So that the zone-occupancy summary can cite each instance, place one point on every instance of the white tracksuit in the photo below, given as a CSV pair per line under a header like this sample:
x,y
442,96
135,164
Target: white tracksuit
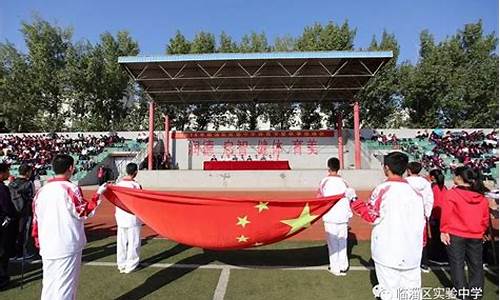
x,y
336,223
396,211
128,238
59,212
424,187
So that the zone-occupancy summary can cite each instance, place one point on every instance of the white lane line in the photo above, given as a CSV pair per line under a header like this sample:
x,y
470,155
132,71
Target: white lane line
x,y
252,267
249,267
220,291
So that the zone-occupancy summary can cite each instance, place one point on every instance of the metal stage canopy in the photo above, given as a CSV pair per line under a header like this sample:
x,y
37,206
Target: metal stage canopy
x,y
255,77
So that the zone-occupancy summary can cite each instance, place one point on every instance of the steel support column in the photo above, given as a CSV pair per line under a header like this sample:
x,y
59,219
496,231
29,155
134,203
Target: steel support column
x,y
166,137
340,140
151,134
357,139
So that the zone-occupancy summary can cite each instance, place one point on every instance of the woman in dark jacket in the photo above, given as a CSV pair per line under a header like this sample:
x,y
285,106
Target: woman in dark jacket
x,y
464,221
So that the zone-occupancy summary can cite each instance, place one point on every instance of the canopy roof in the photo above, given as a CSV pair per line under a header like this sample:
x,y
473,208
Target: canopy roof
x,y
255,77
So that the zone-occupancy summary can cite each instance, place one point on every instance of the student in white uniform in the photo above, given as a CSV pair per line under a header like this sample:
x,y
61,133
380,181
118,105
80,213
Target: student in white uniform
x,y
128,239
59,212
336,219
396,212
424,187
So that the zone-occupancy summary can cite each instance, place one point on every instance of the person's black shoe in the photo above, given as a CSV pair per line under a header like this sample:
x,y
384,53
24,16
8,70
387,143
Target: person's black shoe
x,y
425,268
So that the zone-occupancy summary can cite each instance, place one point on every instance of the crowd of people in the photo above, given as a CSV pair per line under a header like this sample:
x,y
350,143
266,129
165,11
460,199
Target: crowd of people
x,y
383,139
402,210
459,217
476,150
415,221
39,150
241,158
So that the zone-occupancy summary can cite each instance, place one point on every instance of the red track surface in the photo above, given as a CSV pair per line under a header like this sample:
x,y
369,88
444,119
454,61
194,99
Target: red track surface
x,y
103,223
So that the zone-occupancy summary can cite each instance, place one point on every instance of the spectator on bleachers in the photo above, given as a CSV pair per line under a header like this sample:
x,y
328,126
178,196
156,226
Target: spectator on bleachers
x,y
39,150
476,150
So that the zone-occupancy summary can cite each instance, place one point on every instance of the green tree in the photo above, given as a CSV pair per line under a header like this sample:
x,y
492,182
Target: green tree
x,y
285,44
47,45
203,42
17,93
255,42
226,44
101,93
381,99
455,82
178,44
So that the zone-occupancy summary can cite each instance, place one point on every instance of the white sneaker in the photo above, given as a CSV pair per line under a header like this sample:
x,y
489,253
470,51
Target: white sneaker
x,y
121,269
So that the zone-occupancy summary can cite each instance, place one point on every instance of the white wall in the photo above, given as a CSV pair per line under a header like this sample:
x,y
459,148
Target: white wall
x,y
252,180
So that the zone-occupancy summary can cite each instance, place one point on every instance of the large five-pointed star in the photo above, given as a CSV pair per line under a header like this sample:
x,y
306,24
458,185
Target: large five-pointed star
x,y
303,221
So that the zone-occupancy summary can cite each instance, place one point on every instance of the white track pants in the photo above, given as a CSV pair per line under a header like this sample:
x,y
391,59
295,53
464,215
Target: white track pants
x,y
397,283
128,246
336,238
60,277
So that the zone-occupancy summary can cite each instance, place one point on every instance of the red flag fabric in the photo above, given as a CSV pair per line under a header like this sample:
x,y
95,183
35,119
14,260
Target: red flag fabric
x,y
220,223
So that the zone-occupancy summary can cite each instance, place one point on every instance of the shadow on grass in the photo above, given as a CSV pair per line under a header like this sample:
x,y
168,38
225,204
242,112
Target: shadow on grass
x,y
353,241
167,275
443,277
96,232
298,257
32,272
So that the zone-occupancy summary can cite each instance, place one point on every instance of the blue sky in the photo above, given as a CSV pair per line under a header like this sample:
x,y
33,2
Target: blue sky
x,y
153,22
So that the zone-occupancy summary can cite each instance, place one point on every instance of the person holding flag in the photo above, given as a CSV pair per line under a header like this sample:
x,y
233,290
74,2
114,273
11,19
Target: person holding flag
x,y
128,239
336,219
59,212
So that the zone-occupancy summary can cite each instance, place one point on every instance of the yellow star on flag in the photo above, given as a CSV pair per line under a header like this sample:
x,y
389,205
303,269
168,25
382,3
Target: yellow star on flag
x,y
262,206
303,221
242,221
242,239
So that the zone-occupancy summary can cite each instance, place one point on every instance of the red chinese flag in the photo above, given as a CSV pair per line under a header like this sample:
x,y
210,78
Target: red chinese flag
x,y
220,223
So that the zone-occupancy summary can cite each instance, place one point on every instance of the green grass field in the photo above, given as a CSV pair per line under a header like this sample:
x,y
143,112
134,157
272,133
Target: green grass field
x,y
287,270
